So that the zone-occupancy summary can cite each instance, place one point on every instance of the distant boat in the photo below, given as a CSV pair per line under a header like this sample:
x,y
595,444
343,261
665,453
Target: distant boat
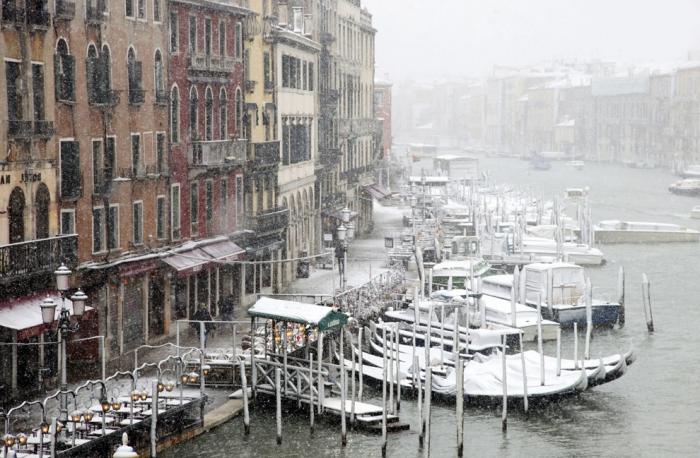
x,y
578,165
695,212
539,163
614,231
686,187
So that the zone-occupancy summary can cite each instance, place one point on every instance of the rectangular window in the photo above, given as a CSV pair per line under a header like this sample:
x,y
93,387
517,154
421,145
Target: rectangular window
x,y
98,225
71,176
108,163
135,154
209,204
142,8
285,71
175,211
311,76
38,91
156,10
67,222
223,204
160,217
173,32
97,170
207,37
160,153
222,38
113,227
137,223
129,8
194,208
304,78
239,40
193,35
266,70
13,82
239,201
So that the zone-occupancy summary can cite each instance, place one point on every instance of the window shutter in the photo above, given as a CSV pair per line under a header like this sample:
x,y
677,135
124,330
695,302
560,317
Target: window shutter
x,y
138,75
69,78
57,76
102,78
91,69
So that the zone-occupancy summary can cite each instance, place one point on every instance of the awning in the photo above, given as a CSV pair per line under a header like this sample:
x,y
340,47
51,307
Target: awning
x,y
324,318
224,251
377,191
189,261
24,313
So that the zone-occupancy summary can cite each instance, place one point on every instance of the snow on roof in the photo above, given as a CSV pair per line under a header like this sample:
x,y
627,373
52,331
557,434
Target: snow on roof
x,y
298,312
416,179
567,123
25,312
620,85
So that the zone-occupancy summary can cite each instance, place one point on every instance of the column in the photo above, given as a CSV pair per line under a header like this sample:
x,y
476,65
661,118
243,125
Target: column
x,y
145,296
168,302
14,363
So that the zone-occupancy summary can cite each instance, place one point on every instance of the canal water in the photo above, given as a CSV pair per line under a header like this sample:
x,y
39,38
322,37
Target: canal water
x,y
654,410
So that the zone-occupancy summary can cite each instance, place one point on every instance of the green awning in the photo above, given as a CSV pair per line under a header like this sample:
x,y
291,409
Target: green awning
x,y
323,317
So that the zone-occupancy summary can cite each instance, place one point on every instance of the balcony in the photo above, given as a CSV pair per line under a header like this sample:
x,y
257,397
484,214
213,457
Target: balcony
x,y
26,259
38,19
136,96
43,129
12,15
267,155
269,221
161,98
211,64
108,98
350,128
250,86
216,153
335,200
65,10
19,129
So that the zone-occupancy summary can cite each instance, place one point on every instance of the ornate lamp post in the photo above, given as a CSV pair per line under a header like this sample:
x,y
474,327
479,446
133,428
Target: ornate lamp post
x,y
64,327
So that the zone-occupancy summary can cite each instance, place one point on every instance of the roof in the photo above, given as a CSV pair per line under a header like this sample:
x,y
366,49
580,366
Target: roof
x,y
323,317
541,266
25,312
418,179
193,257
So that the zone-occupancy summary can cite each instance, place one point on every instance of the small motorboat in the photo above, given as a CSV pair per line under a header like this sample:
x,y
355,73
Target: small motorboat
x,y
686,187
614,231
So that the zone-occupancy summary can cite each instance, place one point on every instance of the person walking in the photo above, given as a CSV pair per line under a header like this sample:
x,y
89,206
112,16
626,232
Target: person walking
x,y
203,315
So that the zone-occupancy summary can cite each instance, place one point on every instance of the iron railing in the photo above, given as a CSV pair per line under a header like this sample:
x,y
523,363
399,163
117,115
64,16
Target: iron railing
x,y
43,129
19,129
35,257
267,221
216,153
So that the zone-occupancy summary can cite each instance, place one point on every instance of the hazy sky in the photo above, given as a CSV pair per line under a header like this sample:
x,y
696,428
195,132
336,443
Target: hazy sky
x,y
428,38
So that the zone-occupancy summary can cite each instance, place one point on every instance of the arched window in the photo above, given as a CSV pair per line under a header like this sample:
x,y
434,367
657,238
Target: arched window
x,y
64,72
91,65
41,211
208,114
16,212
106,71
134,71
223,115
174,115
158,75
194,100
239,113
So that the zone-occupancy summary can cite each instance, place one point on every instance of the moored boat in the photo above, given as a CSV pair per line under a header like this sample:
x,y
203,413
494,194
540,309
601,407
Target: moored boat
x,y
686,187
614,231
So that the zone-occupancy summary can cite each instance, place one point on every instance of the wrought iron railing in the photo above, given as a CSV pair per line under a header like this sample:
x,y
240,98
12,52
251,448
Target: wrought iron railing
x,y
19,129
267,221
216,153
43,129
35,257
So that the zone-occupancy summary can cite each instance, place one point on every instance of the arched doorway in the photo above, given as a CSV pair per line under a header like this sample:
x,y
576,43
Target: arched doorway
x,y
43,199
16,215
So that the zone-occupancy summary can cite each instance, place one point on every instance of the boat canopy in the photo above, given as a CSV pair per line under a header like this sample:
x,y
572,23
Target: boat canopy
x,y
323,317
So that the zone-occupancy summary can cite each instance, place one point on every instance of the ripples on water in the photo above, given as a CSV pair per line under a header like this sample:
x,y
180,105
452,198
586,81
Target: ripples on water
x,y
653,410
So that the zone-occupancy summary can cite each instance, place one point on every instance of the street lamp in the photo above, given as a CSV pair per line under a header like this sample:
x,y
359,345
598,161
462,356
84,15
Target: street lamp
x,y
345,212
48,315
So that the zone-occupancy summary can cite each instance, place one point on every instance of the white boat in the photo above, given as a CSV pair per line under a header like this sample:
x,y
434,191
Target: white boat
x,y
578,165
577,253
561,288
695,212
500,312
692,171
454,274
615,231
686,187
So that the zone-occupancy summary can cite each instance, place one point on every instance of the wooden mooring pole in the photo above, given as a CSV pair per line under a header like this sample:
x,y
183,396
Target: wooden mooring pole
x,y
278,402
459,404
646,302
244,390
504,383
384,379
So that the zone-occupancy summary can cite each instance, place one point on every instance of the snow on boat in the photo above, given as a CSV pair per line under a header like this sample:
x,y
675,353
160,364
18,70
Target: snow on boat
x,y
615,231
578,253
561,287
686,187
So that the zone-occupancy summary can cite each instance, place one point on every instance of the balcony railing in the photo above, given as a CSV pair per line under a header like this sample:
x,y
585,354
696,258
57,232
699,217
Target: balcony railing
x,y
267,154
269,221
218,64
359,127
136,96
11,14
161,97
36,257
19,129
216,153
65,10
108,98
38,19
43,129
